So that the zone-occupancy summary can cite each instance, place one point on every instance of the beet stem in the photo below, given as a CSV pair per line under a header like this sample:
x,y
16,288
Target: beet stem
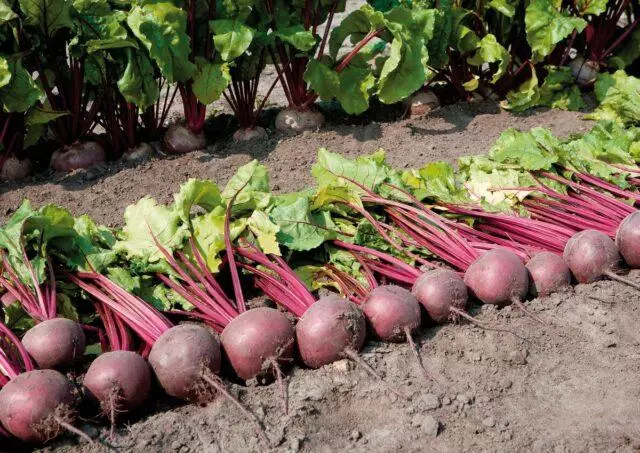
x,y
463,314
618,278
214,381
353,355
72,429
416,352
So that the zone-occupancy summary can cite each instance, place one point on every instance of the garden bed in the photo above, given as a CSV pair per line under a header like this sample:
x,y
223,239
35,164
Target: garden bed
x,y
571,387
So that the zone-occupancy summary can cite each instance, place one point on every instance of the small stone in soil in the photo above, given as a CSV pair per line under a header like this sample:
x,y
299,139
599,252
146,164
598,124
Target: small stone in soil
x,y
446,401
430,401
489,422
355,435
430,426
343,365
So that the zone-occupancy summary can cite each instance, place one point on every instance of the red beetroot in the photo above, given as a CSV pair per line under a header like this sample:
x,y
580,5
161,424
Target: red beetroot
x,y
498,277
119,380
14,169
37,405
179,139
256,340
78,155
442,293
628,239
592,255
179,357
331,329
55,343
547,274
393,312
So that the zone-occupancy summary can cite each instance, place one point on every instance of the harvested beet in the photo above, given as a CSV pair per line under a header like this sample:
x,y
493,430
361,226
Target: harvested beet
x,y
331,329
592,255
179,139
181,355
256,340
547,274
78,155
15,169
55,343
120,381
498,277
393,312
248,134
628,239
442,293
293,121
37,405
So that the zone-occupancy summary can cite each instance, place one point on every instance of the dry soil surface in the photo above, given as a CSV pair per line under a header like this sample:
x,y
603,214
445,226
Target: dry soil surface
x,y
572,385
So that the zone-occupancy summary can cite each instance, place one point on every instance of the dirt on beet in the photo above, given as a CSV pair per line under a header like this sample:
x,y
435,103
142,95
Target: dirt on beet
x,y
570,386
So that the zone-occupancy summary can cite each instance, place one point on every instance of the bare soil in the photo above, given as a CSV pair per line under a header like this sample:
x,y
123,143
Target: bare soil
x,y
572,385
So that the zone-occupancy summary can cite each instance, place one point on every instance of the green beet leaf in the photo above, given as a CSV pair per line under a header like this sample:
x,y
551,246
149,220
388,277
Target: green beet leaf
x,y
546,26
161,27
231,38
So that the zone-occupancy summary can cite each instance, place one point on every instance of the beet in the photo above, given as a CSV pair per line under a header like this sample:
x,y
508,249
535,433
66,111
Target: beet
x,y
140,152
584,71
547,274
248,134
293,121
393,312
442,293
628,239
256,340
591,255
120,381
498,277
55,343
15,169
179,139
328,329
422,103
37,405
78,155
180,357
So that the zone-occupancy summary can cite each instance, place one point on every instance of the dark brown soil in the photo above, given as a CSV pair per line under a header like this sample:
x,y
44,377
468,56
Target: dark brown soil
x,y
572,386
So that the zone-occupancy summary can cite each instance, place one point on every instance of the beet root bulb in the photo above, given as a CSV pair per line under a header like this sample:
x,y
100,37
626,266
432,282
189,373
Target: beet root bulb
x,y
249,134
181,355
393,312
35,405
328,329
628,239
78,155
55,343
498,277
15,169
257,341
441,292
119,380
591,255
179,139
548,273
